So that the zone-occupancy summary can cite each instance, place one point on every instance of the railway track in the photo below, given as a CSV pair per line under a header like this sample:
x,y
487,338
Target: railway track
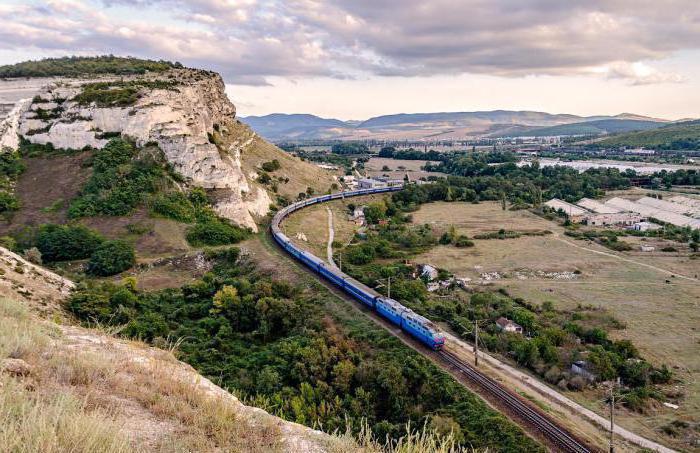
x,y
556,435
547,428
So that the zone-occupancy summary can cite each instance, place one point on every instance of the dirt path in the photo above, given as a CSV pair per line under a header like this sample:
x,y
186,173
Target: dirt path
x,y
331,235
621,258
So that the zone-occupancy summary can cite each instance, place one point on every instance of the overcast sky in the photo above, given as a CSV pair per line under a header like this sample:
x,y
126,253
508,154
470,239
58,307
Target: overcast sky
x,y
352,59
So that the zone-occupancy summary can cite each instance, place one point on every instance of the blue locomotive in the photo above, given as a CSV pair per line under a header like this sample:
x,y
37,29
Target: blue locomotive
x,y
410,322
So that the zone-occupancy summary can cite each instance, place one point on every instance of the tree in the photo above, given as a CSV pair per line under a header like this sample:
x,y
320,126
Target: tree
x,y
112,257
67,242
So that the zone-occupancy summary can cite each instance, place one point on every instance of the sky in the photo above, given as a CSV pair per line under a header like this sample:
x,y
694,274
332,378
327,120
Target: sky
x,y
354,59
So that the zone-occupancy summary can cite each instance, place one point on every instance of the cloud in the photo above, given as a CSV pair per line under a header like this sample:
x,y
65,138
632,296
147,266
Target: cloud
x,y
640,74
251,40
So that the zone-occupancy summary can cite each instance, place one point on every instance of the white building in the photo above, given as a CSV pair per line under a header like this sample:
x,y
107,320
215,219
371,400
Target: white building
x,y
506,325
621,218
645,226
369,183
597,206
575,213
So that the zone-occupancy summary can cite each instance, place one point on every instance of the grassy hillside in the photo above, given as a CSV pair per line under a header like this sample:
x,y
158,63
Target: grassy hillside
x,y
684,135
78,66
599,127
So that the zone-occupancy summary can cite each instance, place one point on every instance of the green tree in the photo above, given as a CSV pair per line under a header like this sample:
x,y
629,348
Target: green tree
x,y
111,257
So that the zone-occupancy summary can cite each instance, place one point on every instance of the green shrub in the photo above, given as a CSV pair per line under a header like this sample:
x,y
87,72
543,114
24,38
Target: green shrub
x,y
66,242
463,241
215,231
8,202
11,164
119,181
174,205
117,94
271,166
112,257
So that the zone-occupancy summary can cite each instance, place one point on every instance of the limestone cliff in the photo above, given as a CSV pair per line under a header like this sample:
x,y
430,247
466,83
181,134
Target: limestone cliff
x,y
185,111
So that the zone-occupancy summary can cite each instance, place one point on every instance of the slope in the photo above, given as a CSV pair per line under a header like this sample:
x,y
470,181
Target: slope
x,y
597,127
685,135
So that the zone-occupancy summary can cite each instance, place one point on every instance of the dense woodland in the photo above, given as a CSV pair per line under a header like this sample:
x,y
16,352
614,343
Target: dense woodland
x,y
298,353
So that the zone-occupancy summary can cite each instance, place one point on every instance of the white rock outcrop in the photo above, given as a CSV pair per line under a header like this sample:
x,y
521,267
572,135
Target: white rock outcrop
x,y
181,119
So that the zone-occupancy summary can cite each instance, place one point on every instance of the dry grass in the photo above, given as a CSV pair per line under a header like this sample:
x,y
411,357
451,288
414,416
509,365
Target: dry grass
x,y
301,174
662,318
313,222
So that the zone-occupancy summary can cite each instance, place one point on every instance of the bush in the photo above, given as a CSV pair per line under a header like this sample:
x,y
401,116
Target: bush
x,y
119,181
67,242
463,241
215,231
8,202
33,255
174,206
110,258
271,166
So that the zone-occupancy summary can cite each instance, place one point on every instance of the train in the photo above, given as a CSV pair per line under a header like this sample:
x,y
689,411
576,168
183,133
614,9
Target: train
x,y
410,322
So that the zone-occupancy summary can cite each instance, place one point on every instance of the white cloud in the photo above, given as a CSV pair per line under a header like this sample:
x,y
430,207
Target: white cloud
x,y
639,73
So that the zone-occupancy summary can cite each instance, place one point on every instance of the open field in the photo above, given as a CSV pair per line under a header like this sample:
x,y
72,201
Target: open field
x,y
313,223
662,318
398,168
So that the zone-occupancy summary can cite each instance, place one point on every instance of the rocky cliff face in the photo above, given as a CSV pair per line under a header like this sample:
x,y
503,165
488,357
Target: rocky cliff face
x,y
182,110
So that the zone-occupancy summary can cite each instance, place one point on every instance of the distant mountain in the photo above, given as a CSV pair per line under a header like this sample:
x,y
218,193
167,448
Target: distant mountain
x,y
443,125
597,127
281,126
681,135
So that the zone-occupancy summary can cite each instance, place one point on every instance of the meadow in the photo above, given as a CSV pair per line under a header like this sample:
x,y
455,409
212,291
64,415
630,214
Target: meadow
x,y
646,293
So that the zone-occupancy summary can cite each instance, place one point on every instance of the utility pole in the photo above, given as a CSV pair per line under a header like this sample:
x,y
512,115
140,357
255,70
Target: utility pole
x,y
388,286
476,343
612,418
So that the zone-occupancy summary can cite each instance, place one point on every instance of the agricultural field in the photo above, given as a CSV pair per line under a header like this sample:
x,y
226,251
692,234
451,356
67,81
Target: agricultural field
x,y
398,168
656,296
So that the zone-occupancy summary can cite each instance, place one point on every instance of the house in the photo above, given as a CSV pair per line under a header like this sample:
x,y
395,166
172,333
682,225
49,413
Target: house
x,y
389,181
506,325
358,216
369,183
429,271
583,368
645,226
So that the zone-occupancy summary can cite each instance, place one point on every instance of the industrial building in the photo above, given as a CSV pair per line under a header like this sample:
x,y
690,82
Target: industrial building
x,y
648,211
597,206
575,213
678,210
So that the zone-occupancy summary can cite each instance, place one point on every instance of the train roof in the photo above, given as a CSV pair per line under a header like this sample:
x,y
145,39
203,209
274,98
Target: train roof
x,y
421,320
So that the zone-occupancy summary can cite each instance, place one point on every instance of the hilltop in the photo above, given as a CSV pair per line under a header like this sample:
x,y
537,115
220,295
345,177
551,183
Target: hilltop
x,y
443,125
85,66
